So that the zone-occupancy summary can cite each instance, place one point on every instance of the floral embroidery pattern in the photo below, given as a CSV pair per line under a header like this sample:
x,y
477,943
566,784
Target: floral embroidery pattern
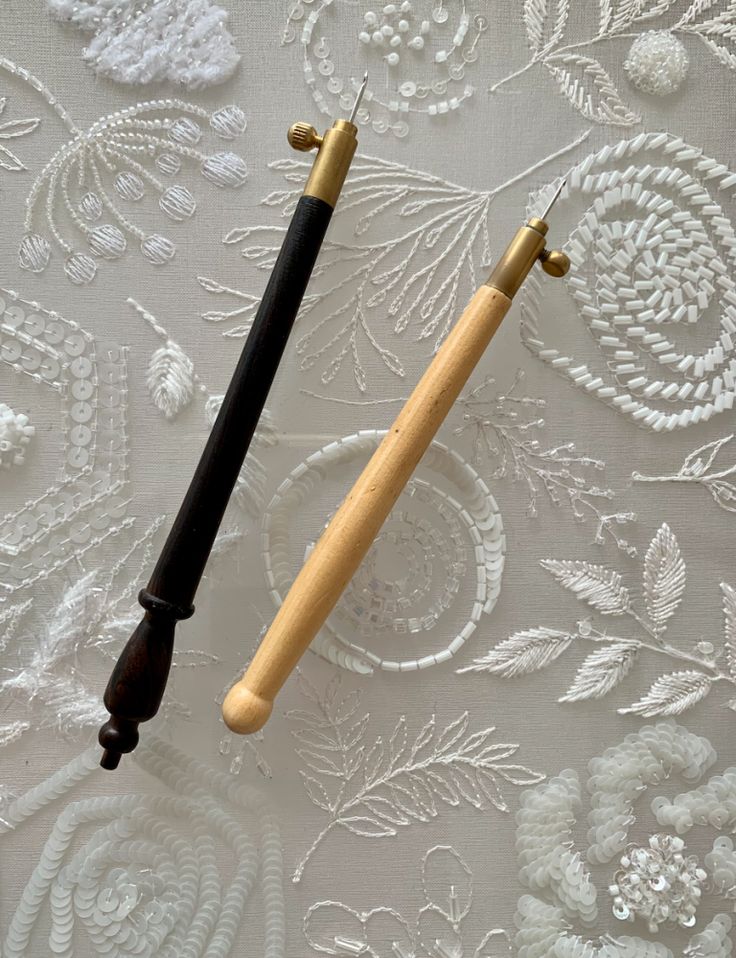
x,y
12,130
502,432
603,589
332,928
443,544
114,160
96,614
583,81
373,788
140,873
560,885
171,381
653,254
146,41
87,503
426,49
419,276
695,469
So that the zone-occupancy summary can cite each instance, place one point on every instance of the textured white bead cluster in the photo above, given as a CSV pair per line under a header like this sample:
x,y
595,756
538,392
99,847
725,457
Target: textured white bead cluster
x,y
391,30
543,840
15,434
658,883
712,803
657,63
618,777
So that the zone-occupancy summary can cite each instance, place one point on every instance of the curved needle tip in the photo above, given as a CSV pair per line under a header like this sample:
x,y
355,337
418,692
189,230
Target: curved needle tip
x,y
359,97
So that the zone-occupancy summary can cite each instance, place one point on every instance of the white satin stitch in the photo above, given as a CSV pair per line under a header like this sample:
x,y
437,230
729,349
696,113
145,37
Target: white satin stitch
x,y
146,41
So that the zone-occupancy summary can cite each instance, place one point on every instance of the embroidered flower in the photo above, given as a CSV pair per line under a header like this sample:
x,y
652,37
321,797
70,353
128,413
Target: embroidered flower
x,y
653,254
657,63
656,883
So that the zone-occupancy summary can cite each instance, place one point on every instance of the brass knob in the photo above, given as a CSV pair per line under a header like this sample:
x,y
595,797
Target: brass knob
x,y
303,137
554,262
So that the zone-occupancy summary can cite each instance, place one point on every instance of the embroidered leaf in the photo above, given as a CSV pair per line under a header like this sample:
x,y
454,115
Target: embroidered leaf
x,y
664,578
694,10
671,694
590,89
602,671
622,13
9,161
729,626
522,653
600,587
170,379
701,459
724,494
544,29
14,128
726,56
384,787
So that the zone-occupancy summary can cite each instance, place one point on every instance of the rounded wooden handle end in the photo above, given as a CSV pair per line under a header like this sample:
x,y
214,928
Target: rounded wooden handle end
x,y
245,712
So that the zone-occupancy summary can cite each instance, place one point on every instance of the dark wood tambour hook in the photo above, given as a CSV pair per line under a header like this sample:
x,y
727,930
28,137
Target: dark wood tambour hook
x,y
138,681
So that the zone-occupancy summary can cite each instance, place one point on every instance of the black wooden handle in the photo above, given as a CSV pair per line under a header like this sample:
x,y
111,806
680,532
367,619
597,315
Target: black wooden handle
x,y
137,683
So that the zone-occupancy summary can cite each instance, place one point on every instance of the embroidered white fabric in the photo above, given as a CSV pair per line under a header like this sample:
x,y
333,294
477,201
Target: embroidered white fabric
x,y
522,711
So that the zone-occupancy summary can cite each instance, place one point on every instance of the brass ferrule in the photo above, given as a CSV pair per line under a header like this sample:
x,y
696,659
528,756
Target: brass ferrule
x,y
521,254
331,165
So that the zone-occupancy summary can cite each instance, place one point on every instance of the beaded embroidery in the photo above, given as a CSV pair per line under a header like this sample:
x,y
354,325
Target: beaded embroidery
x,y
699,468
653,253
15,435
442,547
12,130
145,880
657,61
560,880
371,789
117,155
663,587
426,49
418,277
87,503
333,928
146,41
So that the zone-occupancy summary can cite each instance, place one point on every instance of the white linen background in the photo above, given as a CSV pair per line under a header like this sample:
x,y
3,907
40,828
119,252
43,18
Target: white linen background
x,y
489,139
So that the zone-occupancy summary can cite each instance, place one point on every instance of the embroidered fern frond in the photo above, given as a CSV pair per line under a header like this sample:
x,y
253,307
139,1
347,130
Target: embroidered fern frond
x,y
590,89
170,379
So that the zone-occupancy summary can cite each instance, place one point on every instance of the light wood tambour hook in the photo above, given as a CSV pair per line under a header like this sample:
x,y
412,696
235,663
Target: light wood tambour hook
x,y
138,681
349,535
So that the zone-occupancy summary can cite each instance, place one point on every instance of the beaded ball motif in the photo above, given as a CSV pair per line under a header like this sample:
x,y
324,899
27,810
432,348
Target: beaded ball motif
x,y
658,883
15,434
657,63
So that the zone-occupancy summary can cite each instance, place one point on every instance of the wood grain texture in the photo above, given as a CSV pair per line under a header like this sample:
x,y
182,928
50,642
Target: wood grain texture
x,y
357,522
139,678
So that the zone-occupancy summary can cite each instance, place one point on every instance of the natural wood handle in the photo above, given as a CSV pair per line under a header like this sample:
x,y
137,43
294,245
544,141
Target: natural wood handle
x,y
356,523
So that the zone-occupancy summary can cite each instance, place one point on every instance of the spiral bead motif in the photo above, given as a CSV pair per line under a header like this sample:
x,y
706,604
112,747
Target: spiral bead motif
x,y
653,253
139,875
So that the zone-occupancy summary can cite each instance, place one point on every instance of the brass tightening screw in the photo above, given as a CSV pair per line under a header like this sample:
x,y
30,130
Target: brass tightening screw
x,y
554,262
303,137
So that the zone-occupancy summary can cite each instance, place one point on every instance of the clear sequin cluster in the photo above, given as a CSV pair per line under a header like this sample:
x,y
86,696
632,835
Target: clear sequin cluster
x,y
653,252
87,503
659,883
442,533
425,47
657,63
15,435
145,880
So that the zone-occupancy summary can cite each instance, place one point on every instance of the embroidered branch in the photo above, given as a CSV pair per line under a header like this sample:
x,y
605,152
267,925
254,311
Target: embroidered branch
x,y
663,588
371,789
502,426
13,130
697,469
438,238
581,78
